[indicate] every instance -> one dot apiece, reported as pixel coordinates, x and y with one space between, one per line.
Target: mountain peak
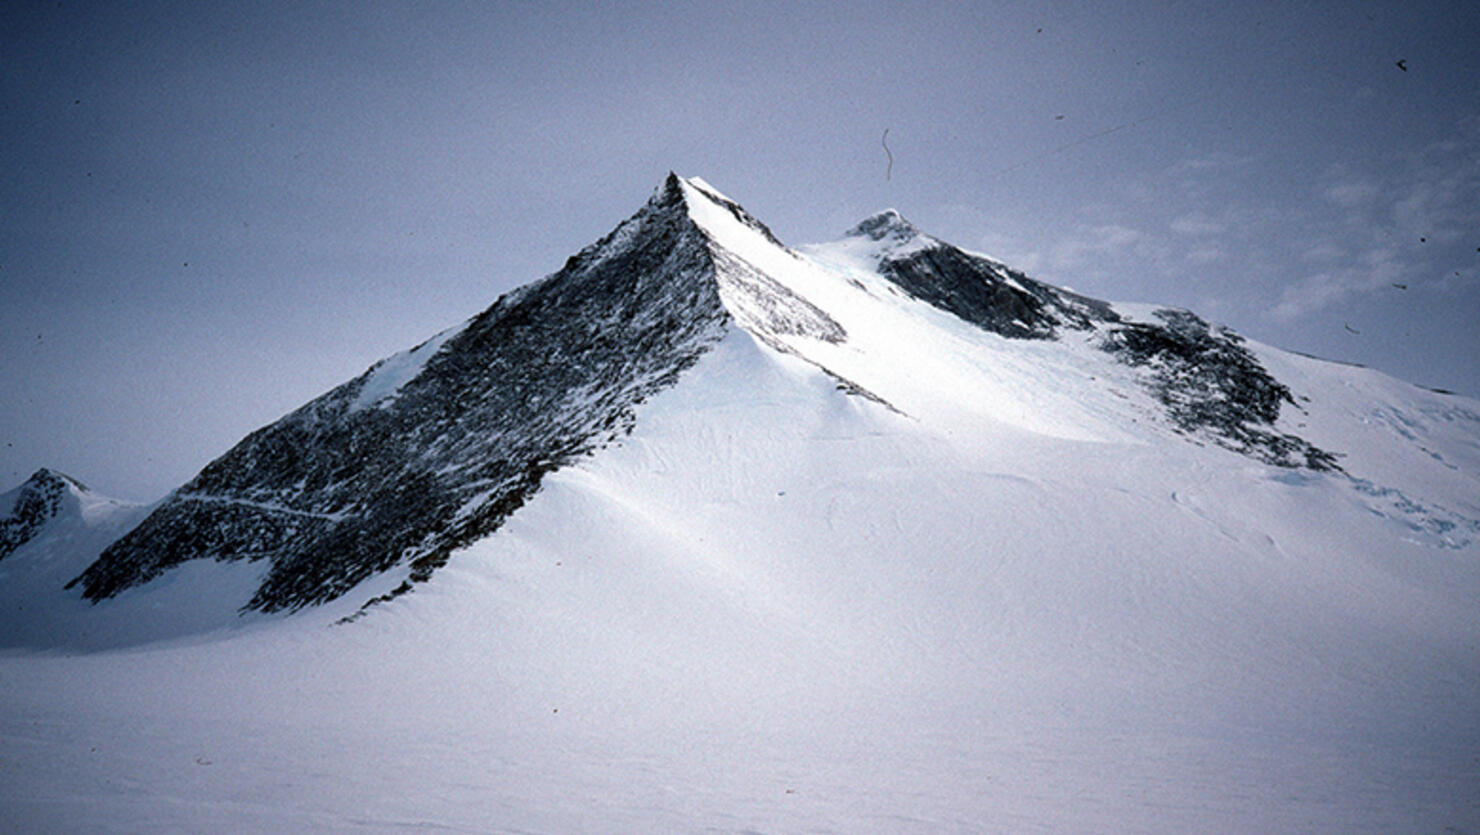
677 207
32 505
700 198
463 429
45 478
887 224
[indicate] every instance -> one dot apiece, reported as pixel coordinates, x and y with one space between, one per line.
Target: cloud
1112 237
1090 246
1352 195
1216 161
1373 270
1309 295
1208 231
1323 251
1413 225
1206 255
1443 203
1196 226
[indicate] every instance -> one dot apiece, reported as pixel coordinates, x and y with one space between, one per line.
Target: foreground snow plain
1010 603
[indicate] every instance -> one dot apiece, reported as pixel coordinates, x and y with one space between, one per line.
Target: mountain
51 528
431 449
434 448
703 532
33 505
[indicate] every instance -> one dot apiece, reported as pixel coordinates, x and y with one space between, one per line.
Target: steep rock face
976 289
31 506
343 488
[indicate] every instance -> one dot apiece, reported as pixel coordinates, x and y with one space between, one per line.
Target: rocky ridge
340 490
1210 384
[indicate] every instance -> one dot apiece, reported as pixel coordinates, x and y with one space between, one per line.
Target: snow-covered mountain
31 506
706 532
51 528
434 448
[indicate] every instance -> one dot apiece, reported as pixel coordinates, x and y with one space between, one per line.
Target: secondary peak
888 225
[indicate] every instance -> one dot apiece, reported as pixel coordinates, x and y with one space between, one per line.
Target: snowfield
921 579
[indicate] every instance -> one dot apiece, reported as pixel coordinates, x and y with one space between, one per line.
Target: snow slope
925 578
37 612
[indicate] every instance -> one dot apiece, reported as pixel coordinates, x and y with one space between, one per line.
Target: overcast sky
211 213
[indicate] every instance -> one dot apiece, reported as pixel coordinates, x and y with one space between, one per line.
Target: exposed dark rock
1207 380
37 502
1210 383
340 490
888 225
977 289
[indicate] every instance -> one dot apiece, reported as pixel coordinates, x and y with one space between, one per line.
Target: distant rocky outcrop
32 505
1210 384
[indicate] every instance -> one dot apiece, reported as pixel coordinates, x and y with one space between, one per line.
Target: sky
212 213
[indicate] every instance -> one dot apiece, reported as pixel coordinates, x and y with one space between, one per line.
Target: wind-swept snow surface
867 566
